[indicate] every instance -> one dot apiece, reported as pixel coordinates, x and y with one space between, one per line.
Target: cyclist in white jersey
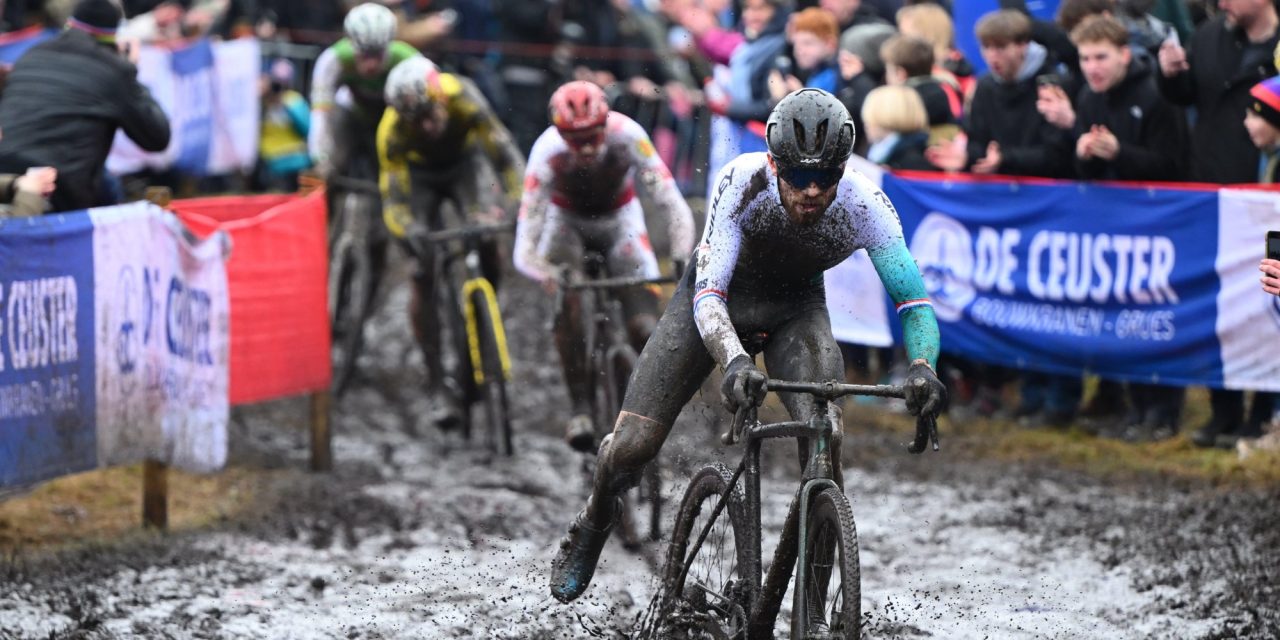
579 196
778 220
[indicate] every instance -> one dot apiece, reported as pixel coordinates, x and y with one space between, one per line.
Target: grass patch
1075 449
105 505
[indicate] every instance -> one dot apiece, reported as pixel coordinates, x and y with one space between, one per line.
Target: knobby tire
832 577
712 598
493 391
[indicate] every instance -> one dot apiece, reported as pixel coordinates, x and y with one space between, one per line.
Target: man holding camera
65 99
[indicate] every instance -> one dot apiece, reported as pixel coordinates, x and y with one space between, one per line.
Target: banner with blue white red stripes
113 343
1140 283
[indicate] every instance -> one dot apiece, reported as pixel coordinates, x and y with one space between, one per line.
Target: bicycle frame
764 599
475 281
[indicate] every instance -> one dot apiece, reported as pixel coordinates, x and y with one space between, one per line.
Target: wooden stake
321 445
155 495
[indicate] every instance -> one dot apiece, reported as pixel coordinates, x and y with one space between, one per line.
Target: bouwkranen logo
943 248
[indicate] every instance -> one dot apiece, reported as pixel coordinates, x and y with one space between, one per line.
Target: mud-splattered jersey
750 244
336 68
597 186
471 124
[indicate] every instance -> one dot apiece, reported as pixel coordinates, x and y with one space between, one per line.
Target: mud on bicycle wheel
493 390
351 283
833 587
712 598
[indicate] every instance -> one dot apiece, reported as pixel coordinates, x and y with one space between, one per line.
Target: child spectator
909 61
933 24
895 123
861 70
813 45
286 119
1262 121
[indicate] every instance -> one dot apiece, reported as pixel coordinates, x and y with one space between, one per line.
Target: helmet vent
799 129
820 136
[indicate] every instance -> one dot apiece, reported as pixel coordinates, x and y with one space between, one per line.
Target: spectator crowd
1140 90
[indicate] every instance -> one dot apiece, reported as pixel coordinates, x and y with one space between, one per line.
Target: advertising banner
1133 283
113 344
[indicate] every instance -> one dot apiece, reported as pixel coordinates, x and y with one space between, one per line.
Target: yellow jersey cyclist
347 90
777 222
579 195
439 140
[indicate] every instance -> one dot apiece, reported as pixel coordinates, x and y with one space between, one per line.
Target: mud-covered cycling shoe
575 561
580 433
446 408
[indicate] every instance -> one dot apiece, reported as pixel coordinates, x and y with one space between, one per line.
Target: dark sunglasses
801 178
579 139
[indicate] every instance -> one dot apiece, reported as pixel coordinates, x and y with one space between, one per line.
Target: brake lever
926 431
735 430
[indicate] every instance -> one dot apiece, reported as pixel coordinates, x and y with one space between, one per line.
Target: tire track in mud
419 535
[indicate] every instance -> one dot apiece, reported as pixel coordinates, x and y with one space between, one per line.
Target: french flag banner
113 343
1154 284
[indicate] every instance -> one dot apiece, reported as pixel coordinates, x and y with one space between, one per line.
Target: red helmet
579 105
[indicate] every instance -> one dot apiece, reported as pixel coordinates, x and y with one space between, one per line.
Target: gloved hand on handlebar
925 394
743 384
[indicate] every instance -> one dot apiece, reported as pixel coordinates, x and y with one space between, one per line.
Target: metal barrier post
321 438
155 495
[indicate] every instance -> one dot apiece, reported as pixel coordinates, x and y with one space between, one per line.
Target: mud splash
420 535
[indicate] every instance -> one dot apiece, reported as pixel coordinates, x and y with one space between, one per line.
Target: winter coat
63 103
937 105
1006 113
1153 136
908 153
1224 66
749 66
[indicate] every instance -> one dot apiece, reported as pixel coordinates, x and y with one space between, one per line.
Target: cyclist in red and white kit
579 197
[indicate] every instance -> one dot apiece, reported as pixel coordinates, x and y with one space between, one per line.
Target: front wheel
493 389
714 597
828 606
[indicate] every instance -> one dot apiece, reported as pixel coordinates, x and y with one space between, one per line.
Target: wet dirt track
417 535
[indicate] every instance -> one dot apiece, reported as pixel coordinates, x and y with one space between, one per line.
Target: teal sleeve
902 280
299 113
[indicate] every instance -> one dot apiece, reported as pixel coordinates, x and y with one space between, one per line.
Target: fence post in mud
159 196
321 448
155 495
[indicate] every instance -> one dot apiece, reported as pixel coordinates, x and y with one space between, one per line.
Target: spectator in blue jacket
286 119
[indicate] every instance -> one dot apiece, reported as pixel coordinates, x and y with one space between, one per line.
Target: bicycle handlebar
474 231
355 184
926 425
832 389
618 283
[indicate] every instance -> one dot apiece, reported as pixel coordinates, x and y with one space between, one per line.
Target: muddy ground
419 535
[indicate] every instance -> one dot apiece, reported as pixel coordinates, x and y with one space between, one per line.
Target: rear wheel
832 590
713 598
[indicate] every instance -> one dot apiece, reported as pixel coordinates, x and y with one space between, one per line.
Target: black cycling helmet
810 129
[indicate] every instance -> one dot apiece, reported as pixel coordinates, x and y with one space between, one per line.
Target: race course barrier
125 339
113 344
277 278
1148 283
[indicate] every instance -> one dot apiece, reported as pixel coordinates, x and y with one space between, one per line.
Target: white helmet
412 86
370 27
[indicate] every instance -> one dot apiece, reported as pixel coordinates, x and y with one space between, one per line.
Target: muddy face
805 206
